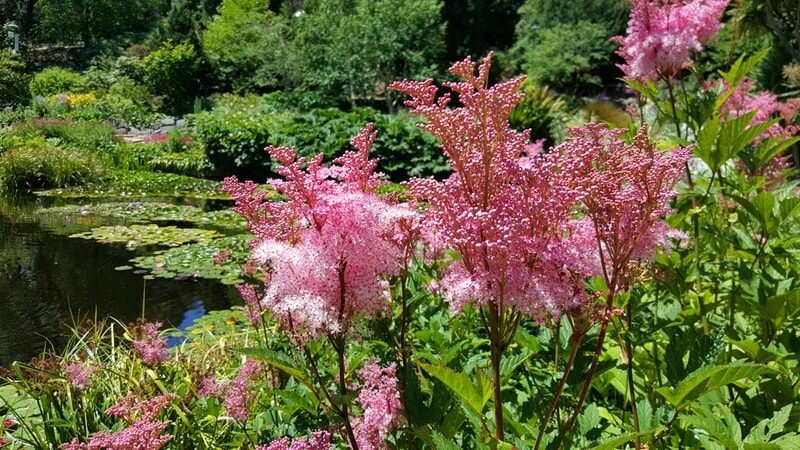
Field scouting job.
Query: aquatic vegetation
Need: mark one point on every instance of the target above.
(134, 236)
(142, 185)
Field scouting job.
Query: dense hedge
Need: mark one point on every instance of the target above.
(235, 137)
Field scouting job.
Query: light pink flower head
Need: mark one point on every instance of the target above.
(328, 249)
(319, 440)
(662, 35)
(147, 344)
(80, 374)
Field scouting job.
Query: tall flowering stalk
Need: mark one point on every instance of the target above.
(507, 214)
(327, 250)
(628, 187)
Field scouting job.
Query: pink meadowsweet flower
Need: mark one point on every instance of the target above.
(147, 344)
(628, 189)
(252, 303)
(505, 211)
(329, 247)
(80, 374)
(766, 106)
(662, 35)
(380, 401)
(319, 440)
(143, 432)
(238, 392)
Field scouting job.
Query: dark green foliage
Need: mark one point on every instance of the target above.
(235, 138)
(352, 49)
(88, 21)
(540, 111)
(172, 72)
(250, 47)
(476, 26)
(567, 56)
(55, 80)
(566, 44)
(13, 80)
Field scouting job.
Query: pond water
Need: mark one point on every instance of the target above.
(49, 281)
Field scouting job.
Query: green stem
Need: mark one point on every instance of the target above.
(559, 389)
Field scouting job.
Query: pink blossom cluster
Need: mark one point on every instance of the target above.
(80, 374)
(662, 34)
(628, 188)
(319, 440)
(7, 424)
(328, 248)
(147, 344)
(144, 431)
(508, 214)
(237, 393)
(766, 106)
(380, 400)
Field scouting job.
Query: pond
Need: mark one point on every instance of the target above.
(49, 281)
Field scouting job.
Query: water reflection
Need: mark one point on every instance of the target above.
(47, 280)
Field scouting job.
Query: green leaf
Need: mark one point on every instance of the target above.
(277, 360)
(443, 443)
(764, 430)
(708, 379)
(473, 396)
(618, 441)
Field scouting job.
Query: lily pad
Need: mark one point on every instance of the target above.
(135, 236)
(201, 260)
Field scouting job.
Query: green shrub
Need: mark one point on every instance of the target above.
(55, 80)
(89, 136)
(172, 72)
(47, 167)
(263, 55)
(540, 111)
(13, 80)
(235, 138)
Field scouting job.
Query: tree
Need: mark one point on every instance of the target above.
(565, 44)
(476, 26)
(250, 47)
(86, 21)
(353, 49)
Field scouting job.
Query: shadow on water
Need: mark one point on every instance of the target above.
(47, 280)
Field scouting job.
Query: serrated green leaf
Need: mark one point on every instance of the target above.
(473, 397)
(708, 379)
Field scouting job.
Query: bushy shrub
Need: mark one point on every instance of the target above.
(190, 159)
(13, 80)
(250, 47)
(79, 135)
(540, 111)
(172, 72)
(56, 80)
(235, 137)
(47, 167)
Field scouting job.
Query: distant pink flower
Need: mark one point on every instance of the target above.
(237, 393)
(319, 440)
(157, 138)
(252, 303)
(144, 432)
(80, 374)
(380, 401)
(766, 106)
(662, 35)
(222, 256)
(147, 344)
(329, 247)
